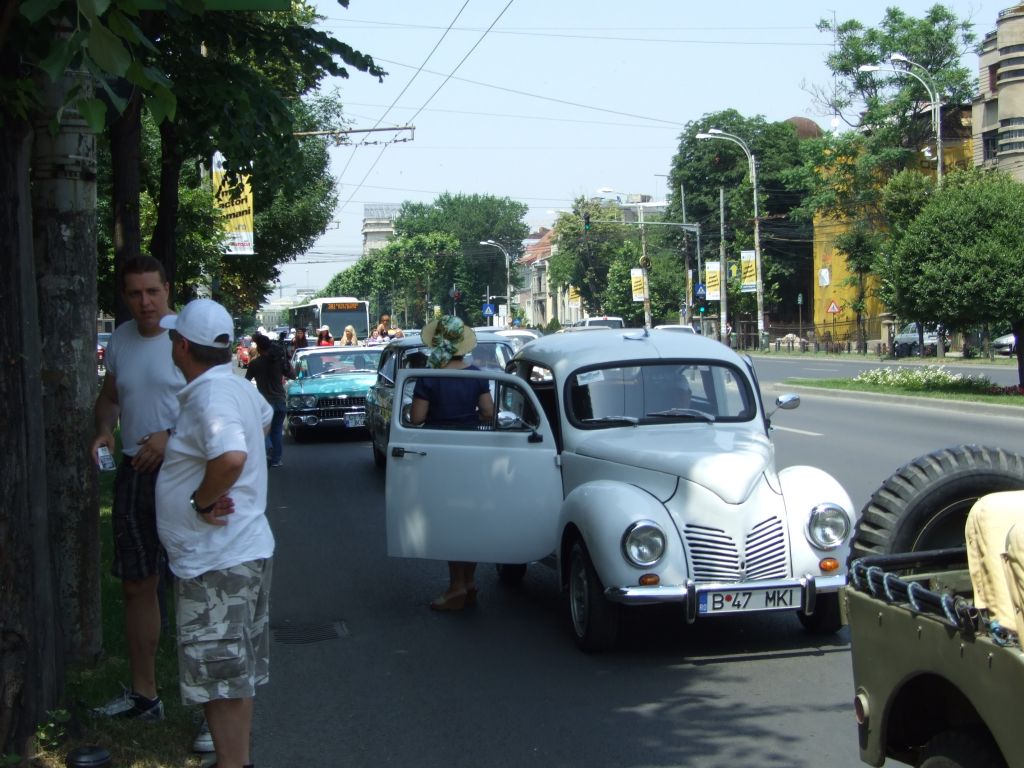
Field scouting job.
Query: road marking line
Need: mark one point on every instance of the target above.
(799, 431)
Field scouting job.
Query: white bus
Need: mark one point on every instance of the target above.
(335, 312)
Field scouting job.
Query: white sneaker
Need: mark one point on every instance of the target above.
(132, 706)
(203, 742)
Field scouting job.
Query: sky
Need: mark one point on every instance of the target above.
(544, 102)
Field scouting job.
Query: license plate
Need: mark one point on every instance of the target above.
(355, 420)
(719, 601)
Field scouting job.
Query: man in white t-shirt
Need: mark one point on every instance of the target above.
(140, 391)
(211, 501)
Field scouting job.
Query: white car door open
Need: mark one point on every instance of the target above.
(484, 493)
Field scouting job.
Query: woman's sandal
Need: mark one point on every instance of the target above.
(455, 602)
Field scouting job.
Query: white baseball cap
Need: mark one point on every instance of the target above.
(203, 322)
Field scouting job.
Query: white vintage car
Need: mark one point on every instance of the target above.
(641, 461)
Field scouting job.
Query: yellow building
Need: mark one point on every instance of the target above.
(830, 312)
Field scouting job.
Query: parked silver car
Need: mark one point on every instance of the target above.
(906, 343)
(1005, 344)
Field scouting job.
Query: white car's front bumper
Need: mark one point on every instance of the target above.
(691, 592)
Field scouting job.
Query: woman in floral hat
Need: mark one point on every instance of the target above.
(452, 403)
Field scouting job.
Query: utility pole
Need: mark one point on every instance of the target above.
(685, 312)
(644, 265)
(723, 279)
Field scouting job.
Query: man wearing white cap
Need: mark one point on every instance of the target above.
(211, 500)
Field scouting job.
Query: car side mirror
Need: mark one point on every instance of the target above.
(509, 420)
(787, 402)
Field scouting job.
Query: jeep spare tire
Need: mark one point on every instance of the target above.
(924, 504)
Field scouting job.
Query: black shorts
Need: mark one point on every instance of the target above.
(137, 550)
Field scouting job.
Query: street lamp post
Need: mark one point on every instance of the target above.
(508, 279)
(715, 133)
(932, 94)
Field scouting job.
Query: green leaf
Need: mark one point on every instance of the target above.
(57, 59)
(34, 10)
(94, 112)
(93, 8)
(118, 101)
(162, 104)
(107, 50)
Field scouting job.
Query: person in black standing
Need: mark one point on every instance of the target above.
(270, 370)
(460, 403)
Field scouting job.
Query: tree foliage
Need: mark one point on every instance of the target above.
(961, 261)
(701, 166)
(437, 251)
(895, 105)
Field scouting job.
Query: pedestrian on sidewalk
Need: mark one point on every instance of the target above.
(270, 370)
(139, 392)
(211, 516)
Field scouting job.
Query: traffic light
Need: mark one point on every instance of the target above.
(702, 307)
(586, 222)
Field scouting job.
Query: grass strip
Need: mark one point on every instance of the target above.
(954, 392)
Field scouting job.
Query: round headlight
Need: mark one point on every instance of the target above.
(309, 401)
(294, 402)
(643, 543)
(828, 526)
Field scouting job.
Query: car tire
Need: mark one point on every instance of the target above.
(962, 748)
(826, 619)
(380, 460)
(595, 620)
(924, 504)
(511, 574)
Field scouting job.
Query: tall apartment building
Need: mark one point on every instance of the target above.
(378, 225)
(998, 109)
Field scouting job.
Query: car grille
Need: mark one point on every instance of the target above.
(345, 403)
(716, 556)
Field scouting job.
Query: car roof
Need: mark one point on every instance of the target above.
(335, 350)
(414, 340)
(566, 352)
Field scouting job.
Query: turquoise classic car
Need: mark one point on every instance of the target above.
(330, 388)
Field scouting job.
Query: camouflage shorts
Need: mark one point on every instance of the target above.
(224, 632)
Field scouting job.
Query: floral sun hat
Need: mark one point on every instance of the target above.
(448, 337)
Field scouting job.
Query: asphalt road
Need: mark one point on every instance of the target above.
(363, 674)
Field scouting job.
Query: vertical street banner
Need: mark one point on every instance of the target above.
(748, 271)
(236, 211)
(713, 280)
(639, 283)
(574, 297)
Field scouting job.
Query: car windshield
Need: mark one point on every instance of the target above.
(338, 360)
(659, 392)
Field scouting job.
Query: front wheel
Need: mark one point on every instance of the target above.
(379, 459)
(826, 619)
(962, 748)
(595, 620)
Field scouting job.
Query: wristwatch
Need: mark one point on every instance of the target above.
(200, 510)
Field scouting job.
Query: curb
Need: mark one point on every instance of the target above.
(960, 406)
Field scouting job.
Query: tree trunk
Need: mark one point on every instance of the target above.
(125, 157)
(64, 234)
(163, 245)
(30, 657)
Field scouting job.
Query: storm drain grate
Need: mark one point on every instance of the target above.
(299, 634)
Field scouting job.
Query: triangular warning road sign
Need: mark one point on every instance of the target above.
(833, 308)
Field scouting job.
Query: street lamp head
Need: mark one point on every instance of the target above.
(899, 57)
(868, 68)
(704, 136)
(715, 130)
